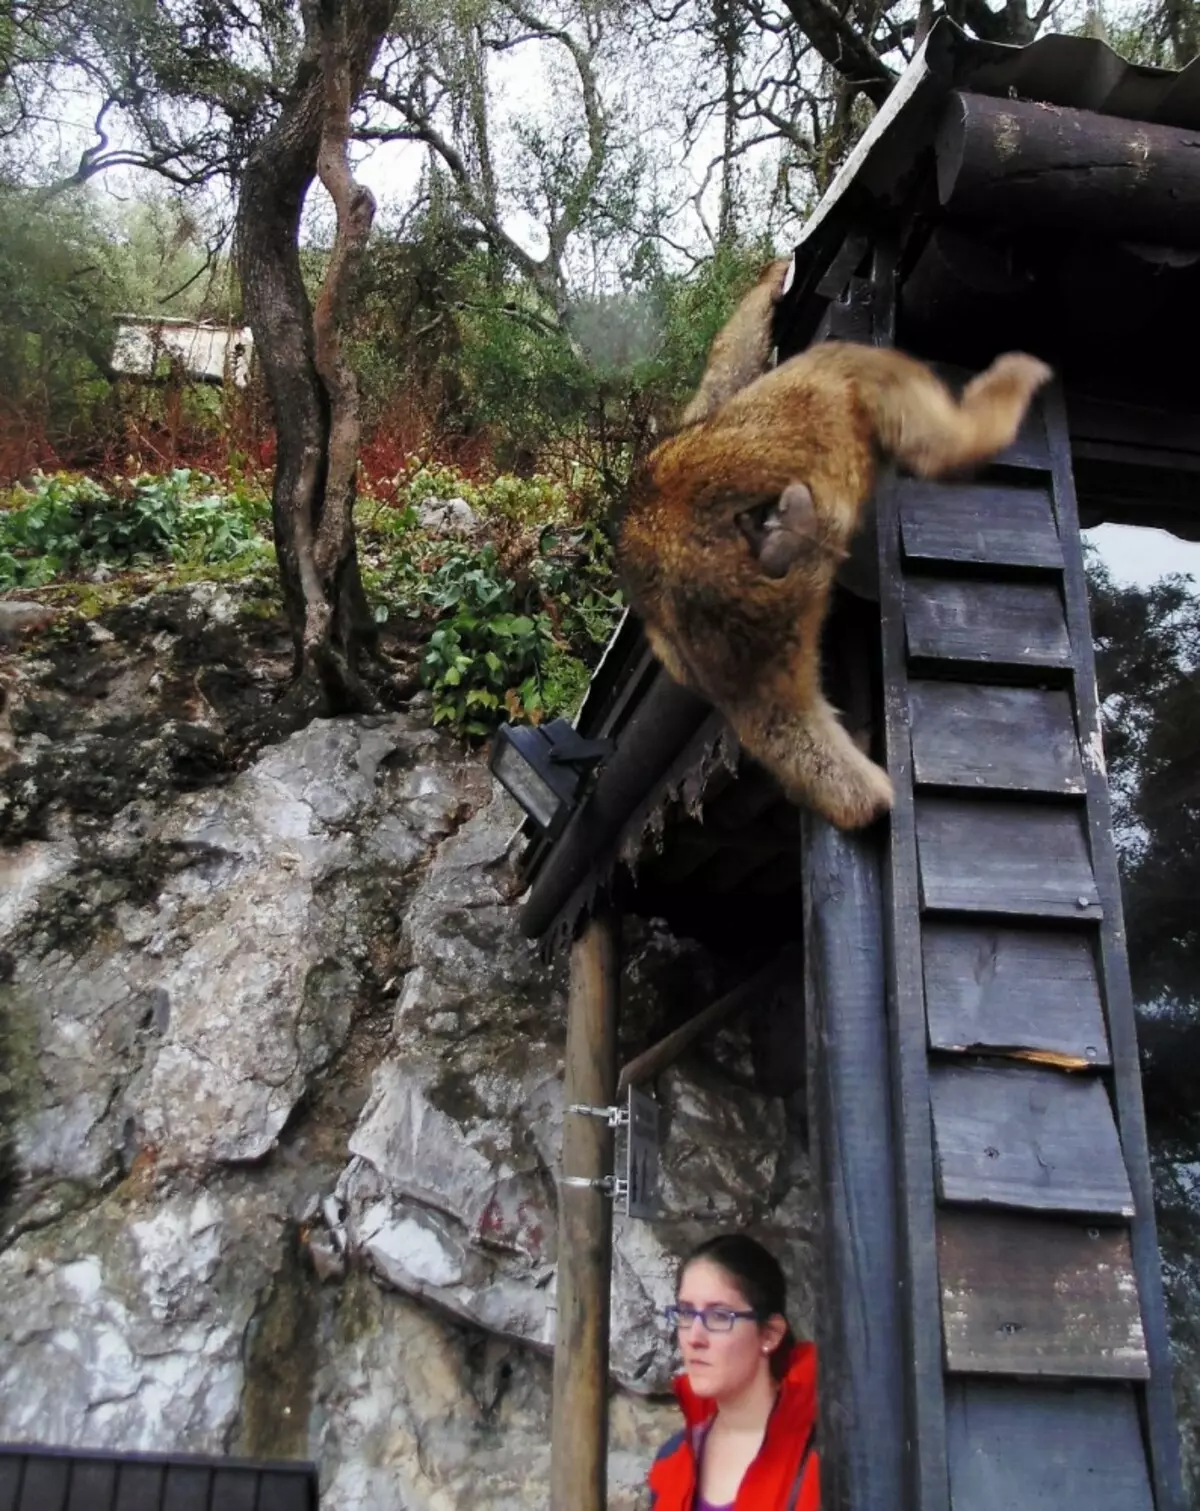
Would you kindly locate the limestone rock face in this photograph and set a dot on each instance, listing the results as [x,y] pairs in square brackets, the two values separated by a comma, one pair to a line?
[280,1113]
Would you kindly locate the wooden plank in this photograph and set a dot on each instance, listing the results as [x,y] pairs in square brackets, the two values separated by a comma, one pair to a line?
[998,988]
[1162,1429]
[926,1483]
[1013,739]
[1045,1448]
[235,1489]
[11,1467]
[188,1487]
[94,1484]
[285,1492]
[1031,1296]
[1006,858]
[1017,624]
[579,1403]
[44,1487]
[1041,1140]
[851,1148]
[140,1486]
[995,523]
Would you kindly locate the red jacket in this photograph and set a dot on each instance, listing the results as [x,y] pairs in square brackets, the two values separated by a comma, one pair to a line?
[785,1476]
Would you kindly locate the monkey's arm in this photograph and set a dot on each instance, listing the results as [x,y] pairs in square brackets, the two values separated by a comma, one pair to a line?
[739,353]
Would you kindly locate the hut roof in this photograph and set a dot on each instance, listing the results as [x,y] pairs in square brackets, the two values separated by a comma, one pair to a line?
[679,824]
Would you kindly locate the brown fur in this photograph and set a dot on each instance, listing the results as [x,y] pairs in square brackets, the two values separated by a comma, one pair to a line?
[740,350]
[734,531]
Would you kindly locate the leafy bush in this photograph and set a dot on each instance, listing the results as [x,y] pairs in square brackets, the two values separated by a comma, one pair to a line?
[70,524]
[518,619]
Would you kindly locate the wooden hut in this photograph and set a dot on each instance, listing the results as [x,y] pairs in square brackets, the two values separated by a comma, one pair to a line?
[993,1332]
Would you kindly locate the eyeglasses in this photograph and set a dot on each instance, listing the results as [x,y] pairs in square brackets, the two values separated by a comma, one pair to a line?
[716,1319]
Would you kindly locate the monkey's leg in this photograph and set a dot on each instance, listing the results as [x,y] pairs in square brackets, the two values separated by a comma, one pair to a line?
[790,727]
[920,423]
[739,353]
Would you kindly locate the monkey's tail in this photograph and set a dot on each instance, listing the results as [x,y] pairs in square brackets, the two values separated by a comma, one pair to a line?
[919,422]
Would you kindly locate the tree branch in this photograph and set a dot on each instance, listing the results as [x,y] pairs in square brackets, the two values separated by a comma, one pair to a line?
[843,48]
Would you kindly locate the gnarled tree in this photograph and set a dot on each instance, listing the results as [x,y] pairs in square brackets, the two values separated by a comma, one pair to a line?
[311,384]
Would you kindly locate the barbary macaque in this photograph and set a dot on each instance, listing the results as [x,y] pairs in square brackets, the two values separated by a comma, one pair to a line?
[734,528]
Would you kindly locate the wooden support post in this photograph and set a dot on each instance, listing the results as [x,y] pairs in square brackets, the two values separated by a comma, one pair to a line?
[579,1417]
[850,1137]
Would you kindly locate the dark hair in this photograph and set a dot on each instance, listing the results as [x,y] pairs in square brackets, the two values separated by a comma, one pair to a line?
[757,1274]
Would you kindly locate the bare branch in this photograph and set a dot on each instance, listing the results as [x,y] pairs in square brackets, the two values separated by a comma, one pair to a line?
[836,39]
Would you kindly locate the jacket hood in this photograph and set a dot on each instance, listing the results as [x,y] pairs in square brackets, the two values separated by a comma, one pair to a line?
[797,1391]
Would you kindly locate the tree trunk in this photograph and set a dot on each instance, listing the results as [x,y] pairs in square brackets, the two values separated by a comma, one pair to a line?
[312,389]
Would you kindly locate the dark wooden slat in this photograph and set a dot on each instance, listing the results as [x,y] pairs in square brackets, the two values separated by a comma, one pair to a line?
[44,1487]
[285,1492]
[1031,1296]
[1042,1140]
[1014,739]
[1009,858]
[851,1146]
[1045,1448]
[10,1480]
[1163,1434]
[235,1489]
[926,1483]
[994,523]
[1017,624]
[188,1487]
[94,1484]
[139,1487]
[992,987]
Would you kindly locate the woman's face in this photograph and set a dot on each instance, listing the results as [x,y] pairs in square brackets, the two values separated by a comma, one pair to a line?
[722,1364]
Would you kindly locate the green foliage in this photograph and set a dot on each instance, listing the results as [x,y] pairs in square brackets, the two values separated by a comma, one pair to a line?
[517,626]
[67,524]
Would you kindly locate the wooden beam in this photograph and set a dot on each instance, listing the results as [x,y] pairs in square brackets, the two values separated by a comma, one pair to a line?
[579,1411]
[1021,163]
[656,1059]
[859,1331]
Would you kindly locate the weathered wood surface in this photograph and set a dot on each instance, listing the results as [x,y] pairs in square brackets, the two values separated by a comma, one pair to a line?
[1032,1296]
[141,1485]
[1162,1433]
[1019,163]
[998,988]
[579,1408]
[1015,739]
[1040,1140]
[1005,857]
[188,1489]
[1017,624]
[274,1494]
[925,1482]
[984,523]
[851,1145]
[45,1484]
[746,994]
[1045,1448]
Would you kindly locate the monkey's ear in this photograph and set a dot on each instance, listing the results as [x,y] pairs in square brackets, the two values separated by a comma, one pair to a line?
[781,531]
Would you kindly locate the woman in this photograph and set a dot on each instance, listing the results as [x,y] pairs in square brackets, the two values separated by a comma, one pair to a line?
[748,1390]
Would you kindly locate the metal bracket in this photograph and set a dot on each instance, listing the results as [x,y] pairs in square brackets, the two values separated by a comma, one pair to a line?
[616,1117]
[610,1185]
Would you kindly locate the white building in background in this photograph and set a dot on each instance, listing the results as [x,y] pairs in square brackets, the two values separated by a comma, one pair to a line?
[212,353]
